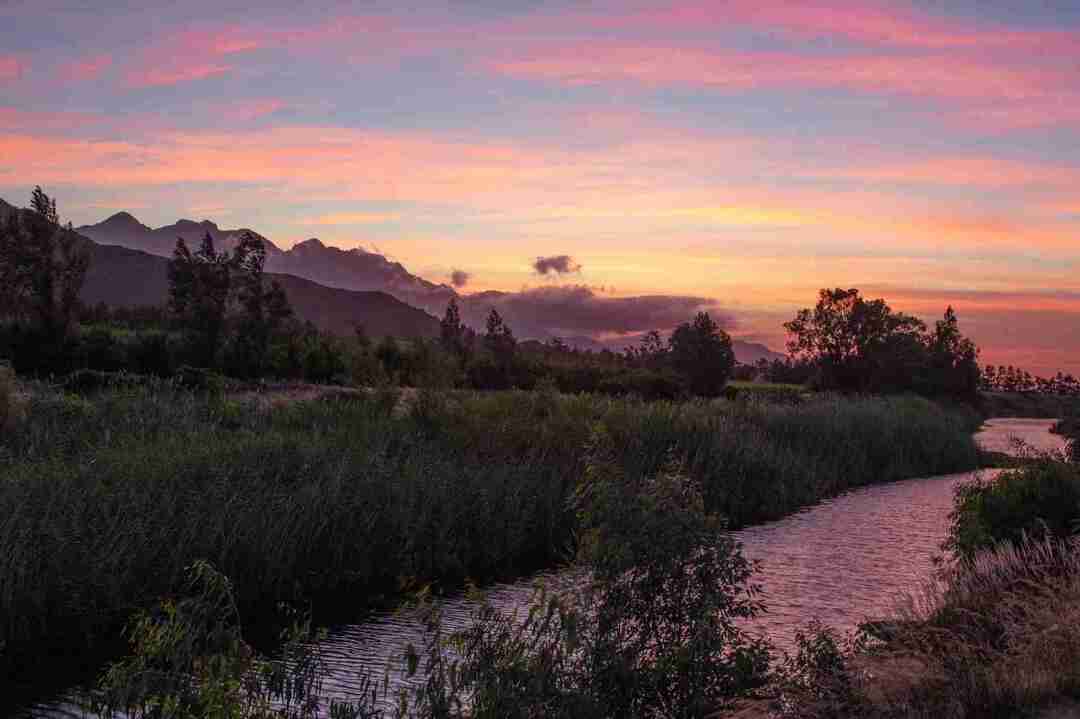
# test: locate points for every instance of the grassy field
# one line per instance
(107, 499)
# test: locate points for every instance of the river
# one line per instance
(841, 561)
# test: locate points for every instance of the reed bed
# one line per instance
(104, 501)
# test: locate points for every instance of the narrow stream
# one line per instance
(842, 561)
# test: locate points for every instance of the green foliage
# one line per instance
(188, 659)
(1043, 497)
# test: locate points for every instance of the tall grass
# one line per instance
(105, 502)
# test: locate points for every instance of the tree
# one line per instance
(42, 268)
(701, 352)
(499, 339)
(199, 290)
(650, 353)
(857, 345)
(452, 331)
(953, 360)
(263, 307)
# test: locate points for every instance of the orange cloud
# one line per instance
(353, 218)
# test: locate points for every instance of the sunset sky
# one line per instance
(747, 152)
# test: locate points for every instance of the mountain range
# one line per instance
(337, 289)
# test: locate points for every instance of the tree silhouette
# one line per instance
(701, 352)
(42, 268)
(857, 344)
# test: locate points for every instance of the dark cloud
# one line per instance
(559, 264)
(459, 278)
(579, 310)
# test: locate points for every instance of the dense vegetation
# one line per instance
(860, 345)
(108, 498)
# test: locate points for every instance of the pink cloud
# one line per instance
(86, 69)
(870, 23)
(250, 110)
(11, 68)
(190, 55)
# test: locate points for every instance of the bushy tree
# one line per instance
(953, 360)
(263, 307)
(701, 352)
(206, 287)
(42, 269)
(857, 344)
(199, 291)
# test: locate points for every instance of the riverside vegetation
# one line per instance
(110, 497)
(996, 634)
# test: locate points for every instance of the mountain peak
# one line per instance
(311, 245)
(122, 219)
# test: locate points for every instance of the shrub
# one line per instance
(818, 681)
(1043, 498)
(188, 659)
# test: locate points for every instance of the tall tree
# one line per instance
(701, 352)
(263, 306)
(451, 330)
(953, 367)
(199, 290)
(42, 267)
(499, 339)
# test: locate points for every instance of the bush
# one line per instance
(818, 681)
(188, 659)
(1043, 498)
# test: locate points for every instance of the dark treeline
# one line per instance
(857, 345)
(1006, 378)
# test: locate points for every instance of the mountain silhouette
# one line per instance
(573, 312)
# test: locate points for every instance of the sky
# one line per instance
(745, 151)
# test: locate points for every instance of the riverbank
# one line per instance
(110, 497)
(996, 633)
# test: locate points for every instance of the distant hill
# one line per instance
(354, 269)
(120, 276)
(370, 272)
